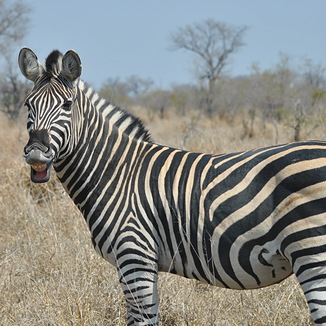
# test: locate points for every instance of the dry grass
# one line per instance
(51, 275)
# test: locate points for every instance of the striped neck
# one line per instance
(101, 135)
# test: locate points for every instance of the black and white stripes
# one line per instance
(241, 221)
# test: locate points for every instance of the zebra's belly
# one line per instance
(263, 268)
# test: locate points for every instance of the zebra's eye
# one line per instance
(67, 105)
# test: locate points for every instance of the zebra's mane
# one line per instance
(124, 120)
(53, 63)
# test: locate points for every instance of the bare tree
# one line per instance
(125, 92)
(314, 74)
(137, 86)
(13, 90)
(156, 101)
(116, 91)
(212, 42)
(13, 22)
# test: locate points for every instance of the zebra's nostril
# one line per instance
(37, 156)
(37, 145)
(39, 141)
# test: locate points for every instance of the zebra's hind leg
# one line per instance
(139, 285)
(311, 274)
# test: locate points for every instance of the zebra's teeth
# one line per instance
(39, 167)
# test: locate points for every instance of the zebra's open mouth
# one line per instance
(39, 156)
(40, 172)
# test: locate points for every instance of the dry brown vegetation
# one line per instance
(51, 275)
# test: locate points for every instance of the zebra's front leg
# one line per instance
(139, 284)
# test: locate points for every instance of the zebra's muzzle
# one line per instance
(40, 165)
(39, 156)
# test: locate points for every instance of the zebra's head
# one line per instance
(50, 105)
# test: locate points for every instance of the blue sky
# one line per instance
(120, 38)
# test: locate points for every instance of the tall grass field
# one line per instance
(50, 275)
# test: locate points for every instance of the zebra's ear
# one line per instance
(29, 65)
(71, 66)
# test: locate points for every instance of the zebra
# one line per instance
(241, 220)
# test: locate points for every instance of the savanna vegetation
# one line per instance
(50, 273)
